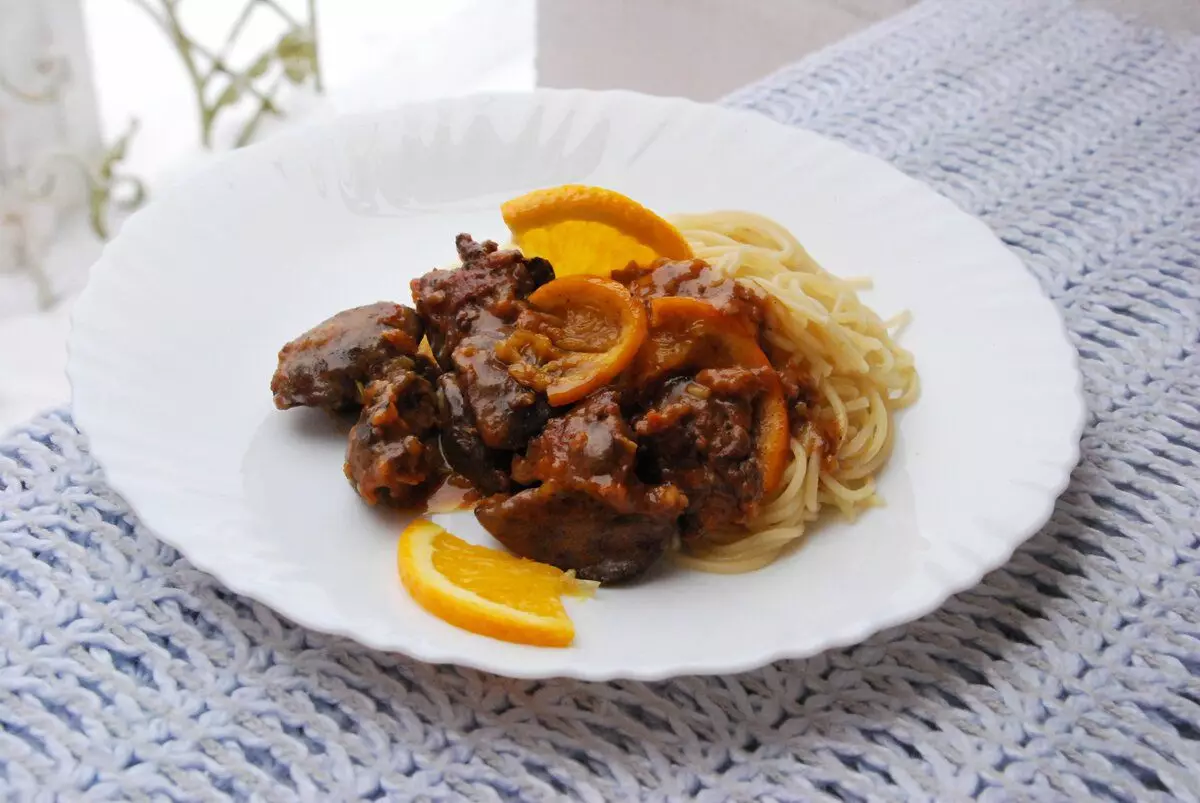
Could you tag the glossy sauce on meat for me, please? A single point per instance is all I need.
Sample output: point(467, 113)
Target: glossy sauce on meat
point(392, 455)
point(602, 484)
point(462, 445)
point(575, 531)
point(700, 438)
point(326, 365)
point(485, 293)
point(466, 311)
point(589, 511)
point(692, 278)
point(507, 414)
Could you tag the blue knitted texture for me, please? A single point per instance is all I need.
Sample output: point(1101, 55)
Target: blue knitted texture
point(1072, 673)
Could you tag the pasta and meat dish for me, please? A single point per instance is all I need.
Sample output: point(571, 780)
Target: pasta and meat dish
point(706, 405)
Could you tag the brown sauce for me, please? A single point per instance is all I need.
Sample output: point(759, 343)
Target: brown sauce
point(687, 435)
point(452, 494)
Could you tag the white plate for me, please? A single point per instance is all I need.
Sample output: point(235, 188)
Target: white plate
point(175, 339)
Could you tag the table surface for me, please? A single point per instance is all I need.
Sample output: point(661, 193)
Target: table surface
point(1071, 673)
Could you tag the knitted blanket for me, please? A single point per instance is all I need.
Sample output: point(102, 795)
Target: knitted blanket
point(1072, 673)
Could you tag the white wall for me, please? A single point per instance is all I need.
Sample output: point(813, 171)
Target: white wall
point(701, 49)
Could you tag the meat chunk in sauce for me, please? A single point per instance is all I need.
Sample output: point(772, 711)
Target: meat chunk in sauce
point(463, 448)
point(468, 310)
point(591, 449)
point(692, 278)
point(697, 433)
point(590, 513)
point(325, 366)
point(487, 291)
point(392, 456)
point(572, 530)
point(507, 414)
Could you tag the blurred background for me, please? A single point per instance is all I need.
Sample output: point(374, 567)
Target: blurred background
point(102, 101)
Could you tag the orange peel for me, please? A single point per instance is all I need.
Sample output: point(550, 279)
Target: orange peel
point(588, 331)
point(687, 333)
point(590, 230)
point(484, 590)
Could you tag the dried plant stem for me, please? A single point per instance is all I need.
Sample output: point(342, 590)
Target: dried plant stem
point(169, 22)
point(295, 53)
point(318, 76)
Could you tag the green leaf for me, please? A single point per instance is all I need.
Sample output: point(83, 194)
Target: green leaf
point(259, 68)
point(296, 70)
point(230, 96)
point(291, 45)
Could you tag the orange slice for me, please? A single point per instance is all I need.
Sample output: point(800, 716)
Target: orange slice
point(591, 331)
point(487, 591)
point(591, 230)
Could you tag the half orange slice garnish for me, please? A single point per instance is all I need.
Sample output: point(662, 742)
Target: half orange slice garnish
point(583, 229)
point(487, 591)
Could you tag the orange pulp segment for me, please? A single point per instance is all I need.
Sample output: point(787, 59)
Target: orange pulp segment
point(487, 591)
point(589, 331)
point(582, 229)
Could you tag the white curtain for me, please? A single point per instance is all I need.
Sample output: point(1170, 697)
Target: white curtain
point(49, 128)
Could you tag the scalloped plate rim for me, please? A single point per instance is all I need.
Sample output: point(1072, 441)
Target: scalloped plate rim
point(124, 480)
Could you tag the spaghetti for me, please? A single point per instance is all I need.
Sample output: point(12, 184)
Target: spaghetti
point(856, 375)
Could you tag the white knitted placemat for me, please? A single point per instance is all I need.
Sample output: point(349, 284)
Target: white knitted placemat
point(1072, 673)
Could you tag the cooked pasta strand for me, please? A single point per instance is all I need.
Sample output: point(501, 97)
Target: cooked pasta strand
point(861, 377)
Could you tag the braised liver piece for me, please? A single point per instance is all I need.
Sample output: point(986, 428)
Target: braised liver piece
point(507, 414)
point(466, 311)
point(572, 530)
point(463, 448)
point(697, 433)
point(693, 278)
point(325, 366)
point(489, 289)
point(392, 456)
point(590, 512)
